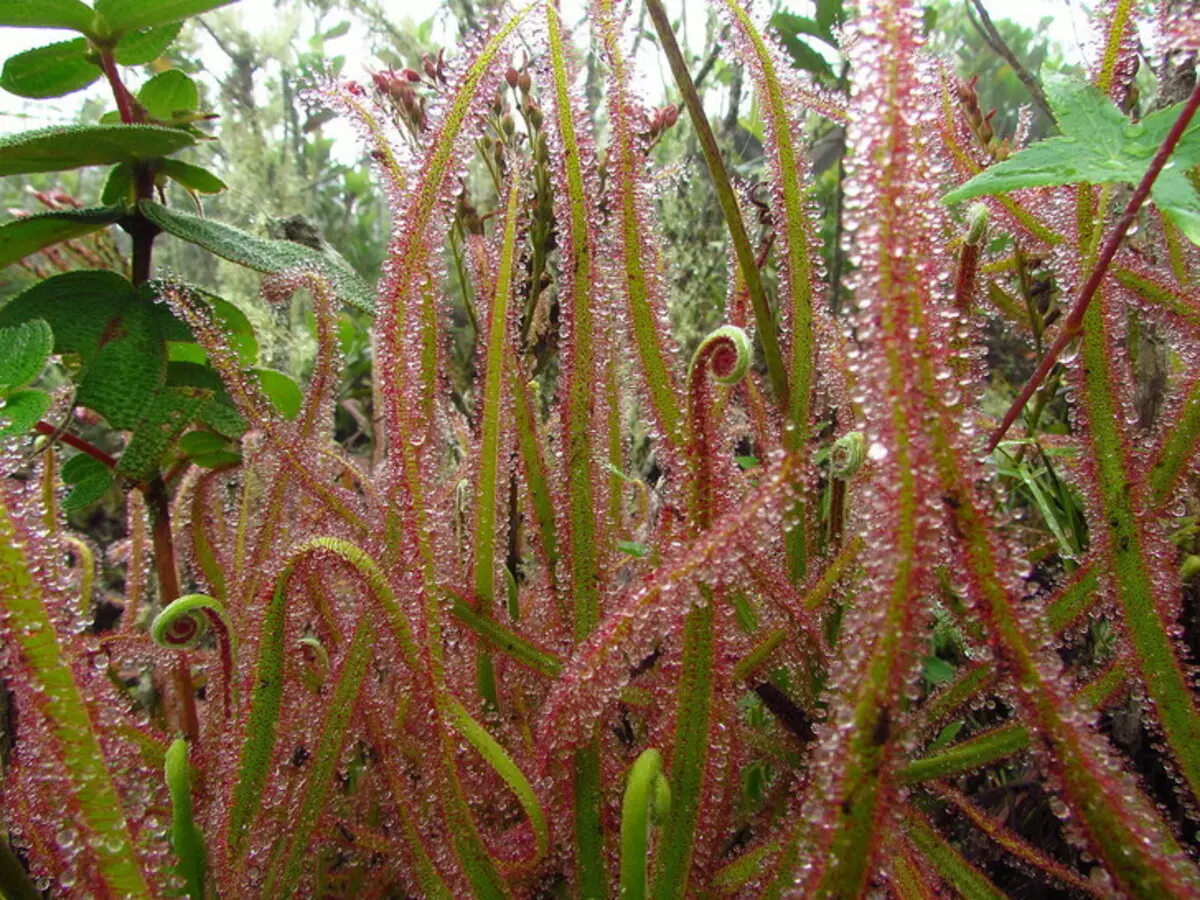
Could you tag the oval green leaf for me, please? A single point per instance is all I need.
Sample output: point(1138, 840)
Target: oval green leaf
point(50, 71)
point(21, 410)
point(168, 94)
point(283, 391)
point(74, 146)
point(140, 47)
point(260, 254)
point(192, 178)
point(24, 349)
point(21, 237)
point(126, 15)
point(70, 14)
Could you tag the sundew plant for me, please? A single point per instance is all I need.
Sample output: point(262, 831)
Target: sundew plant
point(844, 602)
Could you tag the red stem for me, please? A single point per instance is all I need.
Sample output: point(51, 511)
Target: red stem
point(77, 442)
point(125, 102)
point(1073, 324)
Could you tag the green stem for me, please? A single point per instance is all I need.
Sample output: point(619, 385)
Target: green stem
point(767, 331)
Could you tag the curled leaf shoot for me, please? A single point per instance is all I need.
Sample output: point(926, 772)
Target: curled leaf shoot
point(847, 455)
point(726, 354)
point(646, 803)
point(747, 263)
point(795, 238)
point(187, 840)
point(185, 622)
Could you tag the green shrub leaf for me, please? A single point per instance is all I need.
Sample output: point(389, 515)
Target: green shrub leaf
point(208, 449)
point(285, 394)
point(90, 480)
point(21, 237)
point(219, 415)
point(168, 94)
point(136, 48)
point(70, 14)
point(193, 178)
point(260, 254)
point(73, 146)
point(126, 15)
point(23, 353)
point(1099, 145)
point(118, 337)
point(165, 418)
point(792, 30)
point(50, 71)
point(118, 185)
point(21, 411)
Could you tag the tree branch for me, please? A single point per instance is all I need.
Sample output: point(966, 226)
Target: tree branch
point(991, 36)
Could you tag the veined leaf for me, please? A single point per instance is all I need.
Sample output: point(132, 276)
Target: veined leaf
point(71, 14)
point(90, 478)
point(118, 185)
point(792, 29)
point(169, 93)
point(284, 393)
point(23, 353)
point(118, 337)
point(1100, 145)
point(164, 418)
point(193, 178)
point(127, 15)
point(260, 254)
point(74, 146)
point(50, 71)
point(136, 48)
point(21, 411)
point(22, 237)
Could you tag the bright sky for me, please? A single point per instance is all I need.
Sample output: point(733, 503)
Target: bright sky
point(261, 17)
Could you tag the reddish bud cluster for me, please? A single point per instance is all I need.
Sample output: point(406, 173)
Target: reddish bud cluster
point(519, 80)
point(664, 118)
point(435, 67)
point(980, 124)
point(397, 87)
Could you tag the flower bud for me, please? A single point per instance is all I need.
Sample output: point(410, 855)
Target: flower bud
point(977, 217)
point(511, 77)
